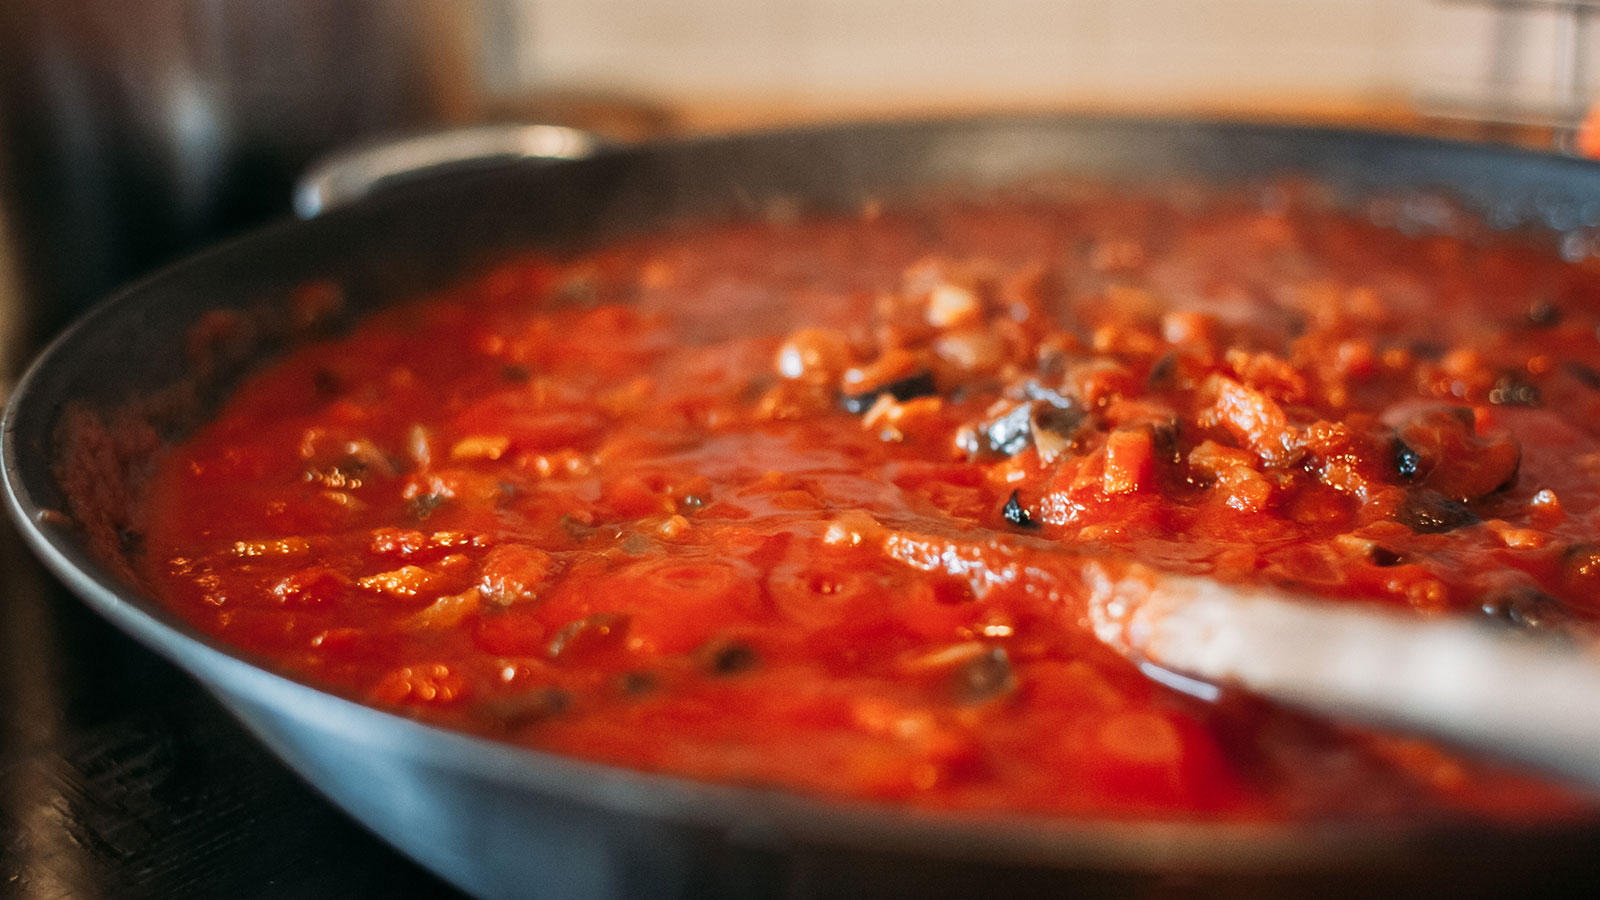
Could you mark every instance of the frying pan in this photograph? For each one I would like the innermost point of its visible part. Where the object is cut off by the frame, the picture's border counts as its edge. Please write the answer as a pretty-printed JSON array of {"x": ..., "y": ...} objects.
[{"x": 502, "y": 821}]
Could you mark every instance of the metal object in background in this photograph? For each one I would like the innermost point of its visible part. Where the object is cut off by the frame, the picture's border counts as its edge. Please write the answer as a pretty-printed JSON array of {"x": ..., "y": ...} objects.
[
  {"x": 349, "y": 175},
  {"x": 134, "y": 131},
  {"x": 1498, "y": 98}
]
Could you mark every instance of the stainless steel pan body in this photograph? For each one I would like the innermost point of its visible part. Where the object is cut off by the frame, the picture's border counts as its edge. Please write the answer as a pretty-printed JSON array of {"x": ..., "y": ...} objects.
[{"x": 506, "y": 822}]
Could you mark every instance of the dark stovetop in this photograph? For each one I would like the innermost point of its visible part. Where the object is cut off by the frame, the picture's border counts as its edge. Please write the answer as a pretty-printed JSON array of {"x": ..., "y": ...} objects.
[{"x": 119, "y": 778}]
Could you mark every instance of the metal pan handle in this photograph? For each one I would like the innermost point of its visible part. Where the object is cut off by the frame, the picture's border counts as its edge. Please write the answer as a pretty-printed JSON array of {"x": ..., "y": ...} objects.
[{"x": 349, "y": 175}]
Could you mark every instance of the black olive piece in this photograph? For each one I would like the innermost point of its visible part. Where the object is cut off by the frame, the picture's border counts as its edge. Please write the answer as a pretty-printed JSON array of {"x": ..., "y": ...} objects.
[
  {"x": 422, "y": 505},
  {"x": 1162, "y": 372},
  {"x": 1383, "y": 556},
  {"x": 1014, "y": 514},
  {"x": 515, "y": 373},
  {"x": 732, "y": 658},
  {"x": 1544, "y": 314},
  {"x": 1511, "y": 390},
  {"x": 984, "y": 677},
  {"x": 130, "y": 541},
  {"x": 1063, "y": 421},
  {"x": 594, "y": 632},
  {"x": 1406, "y": 460},
  {"x": 533, "y": 706},
  {"x": 1164, "y": 437},
  {"x": 1007, "y": 435},
  {"x": 1587, "y": 376},
  {"x": 326, "y": 384},
  {"x": 1526, "y": 608},
  {"x": 1430, "y": 512},
  {"x": 635, "y": 684},
  {"x": 909, "y": 388}
]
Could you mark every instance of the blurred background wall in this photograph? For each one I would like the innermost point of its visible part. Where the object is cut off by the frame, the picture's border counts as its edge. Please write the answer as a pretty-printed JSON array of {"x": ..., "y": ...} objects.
[{"x": 1223, "y": 54}]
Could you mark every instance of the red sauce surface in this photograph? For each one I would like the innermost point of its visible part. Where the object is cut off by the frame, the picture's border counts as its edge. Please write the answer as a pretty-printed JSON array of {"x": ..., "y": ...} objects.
[{"x": 800, "y": 503}]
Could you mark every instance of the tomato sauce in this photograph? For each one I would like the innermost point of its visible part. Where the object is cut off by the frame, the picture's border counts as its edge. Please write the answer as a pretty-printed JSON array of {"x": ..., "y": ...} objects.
[{"x": 801, "y": 503}]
